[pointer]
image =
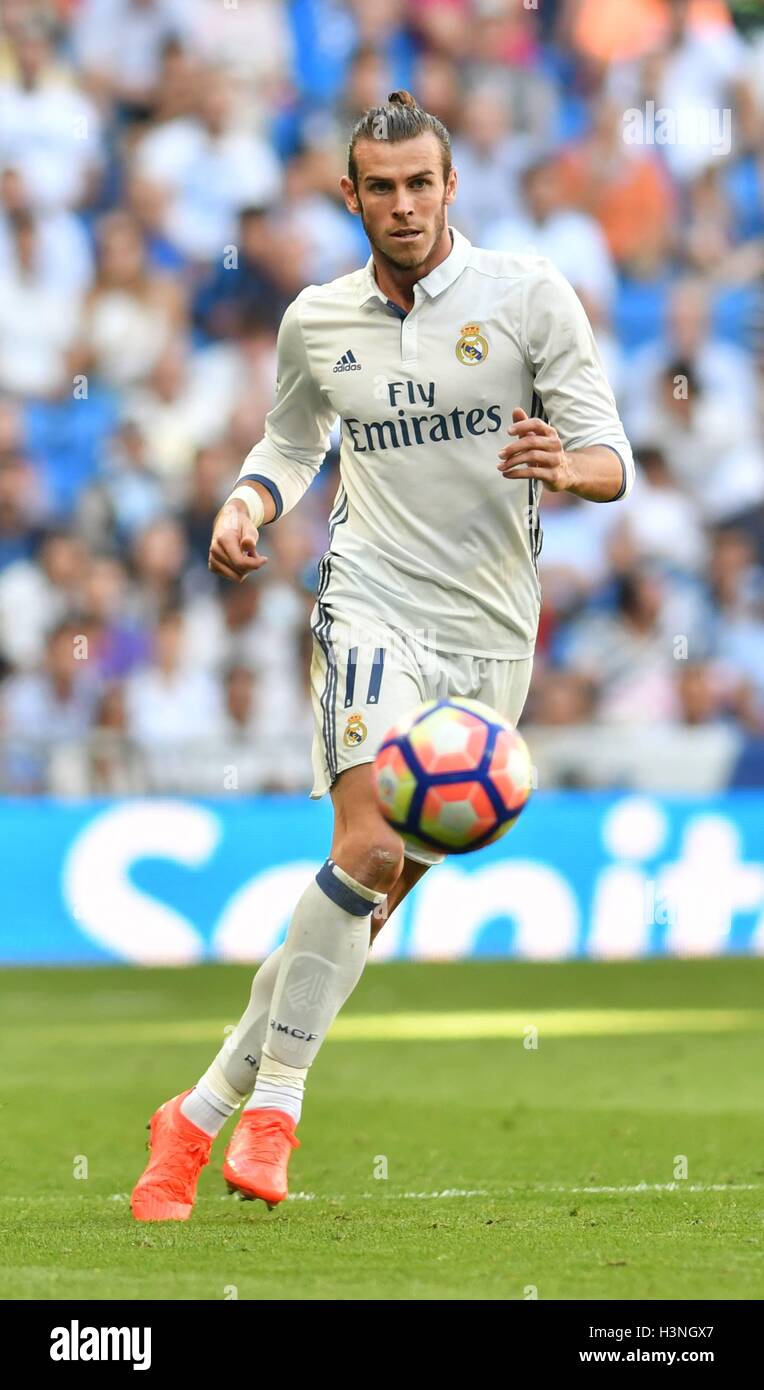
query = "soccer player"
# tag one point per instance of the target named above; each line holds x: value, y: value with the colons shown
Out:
x: 465, y: 381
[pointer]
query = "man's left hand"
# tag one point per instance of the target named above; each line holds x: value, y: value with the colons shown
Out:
x: 537, y: 452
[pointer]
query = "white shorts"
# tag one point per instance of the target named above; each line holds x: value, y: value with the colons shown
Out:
x: 365, y: 675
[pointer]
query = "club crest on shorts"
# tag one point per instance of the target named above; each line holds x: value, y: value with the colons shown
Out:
x: 472, y: 347
x: 355, y: 731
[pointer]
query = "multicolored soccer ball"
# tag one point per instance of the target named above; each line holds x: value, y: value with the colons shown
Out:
x: 453, y: 775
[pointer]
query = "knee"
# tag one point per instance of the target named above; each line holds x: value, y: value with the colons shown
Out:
x: 376, y: 861
x: 384, y: 862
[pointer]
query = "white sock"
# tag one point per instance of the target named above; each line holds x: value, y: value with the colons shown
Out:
x: 278, y: 1088
x: 230, y: 1077
x: 206, y: 1110
x: 324, y: 955
x: 239, y: 1057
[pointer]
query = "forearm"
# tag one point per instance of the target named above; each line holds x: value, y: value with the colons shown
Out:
x: 283, y: 470
x: 597, y: 473
x: 269, y: 506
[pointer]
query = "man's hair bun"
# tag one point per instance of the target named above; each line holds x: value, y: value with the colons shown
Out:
x: 402, y: 99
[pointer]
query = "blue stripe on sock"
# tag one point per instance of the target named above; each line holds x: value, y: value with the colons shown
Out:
x: 340, y: 893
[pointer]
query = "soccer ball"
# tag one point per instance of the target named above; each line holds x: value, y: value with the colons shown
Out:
x: 452, y: 775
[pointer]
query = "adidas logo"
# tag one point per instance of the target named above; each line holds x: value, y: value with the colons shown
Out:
x: 347, y: 363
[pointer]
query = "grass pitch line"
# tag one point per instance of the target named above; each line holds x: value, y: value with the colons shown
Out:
x: 495, y: 1194
x: 539, y: 1189
x: 450, y: 1026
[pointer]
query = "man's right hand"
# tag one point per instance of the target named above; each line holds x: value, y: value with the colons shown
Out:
x: 233, y: 548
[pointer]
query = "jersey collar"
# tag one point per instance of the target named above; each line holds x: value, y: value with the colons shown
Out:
x: 433, y: 284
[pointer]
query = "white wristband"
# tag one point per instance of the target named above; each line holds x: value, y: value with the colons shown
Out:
x: 252, y: 501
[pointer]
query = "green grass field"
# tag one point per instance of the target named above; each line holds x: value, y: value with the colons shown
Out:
x: 509, y: 1168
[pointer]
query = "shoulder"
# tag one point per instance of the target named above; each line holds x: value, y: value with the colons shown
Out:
x: 317, y: 306
x: 525, y: 282
x: 523, y: 267
x: 318, y: 299
x: 169, y: 141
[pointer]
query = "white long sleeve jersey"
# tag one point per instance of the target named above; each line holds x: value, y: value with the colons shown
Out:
x: 425, y: 533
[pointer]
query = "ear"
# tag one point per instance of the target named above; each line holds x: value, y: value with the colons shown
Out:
x: 349, y: 194
x: 451, y: 184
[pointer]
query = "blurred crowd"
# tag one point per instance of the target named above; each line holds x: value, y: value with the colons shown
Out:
x: 169, y: 181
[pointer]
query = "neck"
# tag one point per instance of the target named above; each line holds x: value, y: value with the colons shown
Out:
x: 398, y: 284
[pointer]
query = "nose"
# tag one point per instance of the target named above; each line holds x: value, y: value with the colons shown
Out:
x: 402, y: 207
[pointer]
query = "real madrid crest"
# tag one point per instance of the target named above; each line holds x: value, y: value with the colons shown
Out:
x: 472, y: 347
x: 355, y: 731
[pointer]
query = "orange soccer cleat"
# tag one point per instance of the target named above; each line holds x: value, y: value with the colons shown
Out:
x: 257, y: 1157
x: 166, y: 1190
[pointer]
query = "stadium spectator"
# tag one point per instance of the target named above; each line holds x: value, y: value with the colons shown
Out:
x: 63, y: 259
x: 53, y: 705
x: 116, y: 643
x: 21, y: 514
x: 663, y: 523
x: 37, y: 594
x: 574, y: 559
x: 625, y: 188
x: 126, y: 496
x: 109, y: 763
x: 562, y: 698
x: 168, y: 184
x: 119, y: 46
x: 159, y: 554
x: 179, y: 409
x: 244, y: 285
x: 322, y: 230
x: 170, y: 702
x: 38, y: 323
x: 693, y: 432
x: 211, y: 170
x: 440, y: 82
x: 251, y: 43
x: 131, y: 311
x: 701, y: 695
x: 489, y: 156
x: 48, y: 128
x: 548, y: 226
x: 723, y: 369
x: 628, y: 654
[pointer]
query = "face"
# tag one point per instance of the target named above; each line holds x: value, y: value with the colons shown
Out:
x: 239, y: 694
x: 104, y: 588
x: 160, y: 552
x: 61, y: 661
x: 697, y: 694
x: 542, y: 191
x: 121, y: 250
x: 26, y: 245
x: 215, y: 102
x: 168, y: 640
x: 402, y: 197
x: 112, y: 713
x: 688, y: 317
x: 63, y: 560
x: 32, y: 55
x: 486, y: 119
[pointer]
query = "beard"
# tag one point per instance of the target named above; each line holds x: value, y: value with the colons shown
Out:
x: 410, y: 257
